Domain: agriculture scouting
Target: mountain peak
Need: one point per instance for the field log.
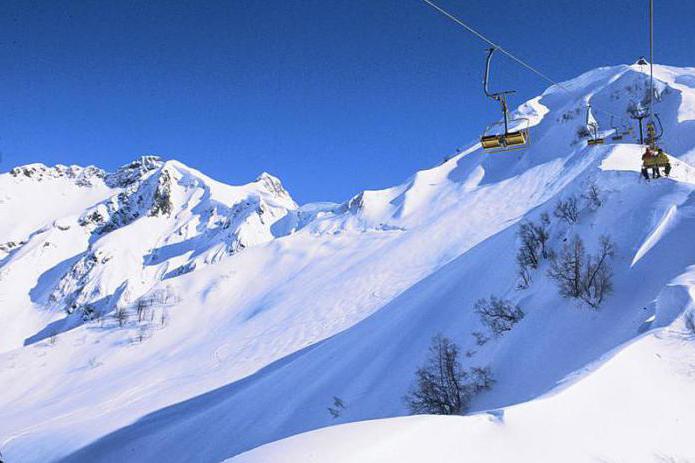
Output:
(273, 185)
(133, 171)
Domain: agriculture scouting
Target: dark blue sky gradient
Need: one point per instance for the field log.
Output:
(332, 96)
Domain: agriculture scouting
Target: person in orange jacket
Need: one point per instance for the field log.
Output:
(647, 162)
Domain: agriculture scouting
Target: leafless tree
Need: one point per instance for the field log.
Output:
(142, 308)
(581, 276)
(566, 269)
(598, 279)
(567, 209)
(534, 238)
(443, 387)
(528, 255)
(499, 315)
(121, 316)
(164, 317)
(593, 195)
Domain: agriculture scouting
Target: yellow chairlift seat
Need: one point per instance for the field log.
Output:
(491, 142)
(496, 140)
(595, 141)
(516, 138)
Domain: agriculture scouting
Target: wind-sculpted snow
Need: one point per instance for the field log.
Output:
(172, 317)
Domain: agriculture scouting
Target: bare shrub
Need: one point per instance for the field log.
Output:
(337, 409)
(143, 333)
(689, 320)
(497, 314)
(480, 338)
(567, 209)
(443, 386)
(525, 277)
(163, 318)
(480, 379)
(583, 132)
(534, 238)
(89, 313)
(593, 196)
(584, 276)
(143, 308)
(93, 362)
(121, 315)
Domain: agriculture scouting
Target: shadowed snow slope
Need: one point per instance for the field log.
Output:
(636, 407)
(171, 317)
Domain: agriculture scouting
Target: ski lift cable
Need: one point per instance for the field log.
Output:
(510, 55)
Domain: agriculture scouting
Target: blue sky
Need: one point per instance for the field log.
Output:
(332, 96)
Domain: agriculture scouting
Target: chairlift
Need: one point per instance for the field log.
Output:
(592, 127)
(498, 137)
(654, 133)
(617, 134)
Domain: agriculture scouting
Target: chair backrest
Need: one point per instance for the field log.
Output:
(491, 142)
(516, 138)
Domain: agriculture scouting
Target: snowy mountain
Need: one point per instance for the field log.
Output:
(154, 314)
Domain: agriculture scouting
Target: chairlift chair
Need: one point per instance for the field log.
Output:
(496, 138)
(654, 133)
(617, 134)
(592, 126)
(493, 139)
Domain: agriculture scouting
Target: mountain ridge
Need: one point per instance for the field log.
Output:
(329, 300)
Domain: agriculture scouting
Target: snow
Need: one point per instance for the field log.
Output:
(261, 311)
(637, 406)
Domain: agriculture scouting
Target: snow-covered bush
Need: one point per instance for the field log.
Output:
(567, 209)
(497, 314)
(584, 276)
(443, 386)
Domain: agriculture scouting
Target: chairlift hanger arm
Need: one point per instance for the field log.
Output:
(486, 78)
(661, 126)
(496, 46)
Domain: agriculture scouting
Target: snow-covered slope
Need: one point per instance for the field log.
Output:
(172, 317)
(635, 406)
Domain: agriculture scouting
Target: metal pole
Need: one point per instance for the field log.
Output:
(651, 60)
(506, 119)
(641, 134)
